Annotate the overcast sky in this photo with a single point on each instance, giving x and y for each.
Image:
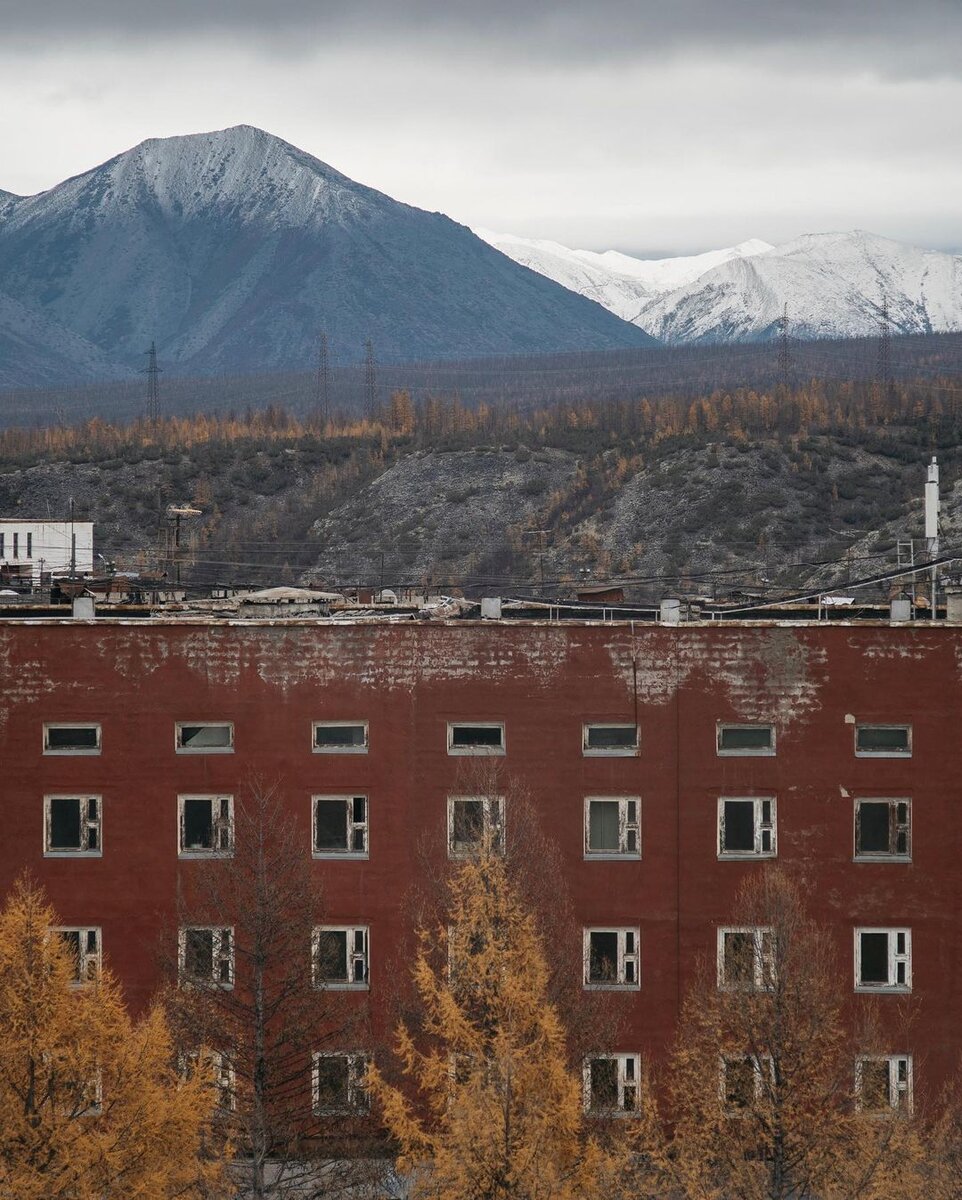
(650, 127)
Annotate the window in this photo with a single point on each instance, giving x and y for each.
(340, 737)
(206, 826)
(612, 827)
(746, 959)
(883, 741)
(83, 946)
(16, 545)
(746, 827)
(883, 829)
(745, 739)
(883, 960)
(338, 1083)
(340, 956)
(475, 823)
(611, 1084)
(29, 545)
(611, 958)
(207, 956)
(616, 741)
(71, 825)
(742, 1082)
(340, 826)
(71, 738)
(220, 1071)
(214, 738)
(481, 737)
(883, 1083)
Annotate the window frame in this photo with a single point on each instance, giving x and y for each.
(759, 828)
(763, 959)
(895, 958)
(179, 748)
(350, 825)
(860, 725)
(347, 985)
(358, 1098)
(896, 1086)
(218, 956)
(362, 749)
(214, 851)
(221, 1068)
(760, 752)
(610, 751)
(878, 856)
(625, 1079)
(477, 751)
(64, 751)
(625, 827)
(625, 959)
(86, 824)
(492, 830)
(86, 958)
(760, 1063)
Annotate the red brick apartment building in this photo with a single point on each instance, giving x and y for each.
(666, 761)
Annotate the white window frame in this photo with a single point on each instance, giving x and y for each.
(223, 1076)
(760, 827)
(353, 957)
(763, 958)
(752, 752)
(477, 751)
(894, 824)
(760, 1064)
(492, 830)
(219, 827)
(181, 749)
(629, 1076)
(900, 1083)
(358, 1100)
(351, 826)
(86, 825)
(896, 959)
(219, 956)
(362, 749)
(626, 959)
(61, 751)
(625, 828)
(860, 725)
(89, 961)
(610, 751)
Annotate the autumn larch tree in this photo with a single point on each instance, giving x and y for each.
(91, 1104)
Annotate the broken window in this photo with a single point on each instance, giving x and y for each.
(206, 825)
(217, 737)
(883, 1084)
(340, 956)
(207, 956)
(475, 823)
(72, 825)
(614, 740)
(219, 1069)
(746, 959)
(338, 1083)
(83, 946)
(340, 825)
(480, 737)
(612, 827)
(883, 960)
(340, 737)
(71, 738)
(611, 1084)
(746, 827)
(883, 829)
(742, 1081)
(611, 958)
(883, 741)
(745, 739)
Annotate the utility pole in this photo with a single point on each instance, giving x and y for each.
(784, 351)
(322, 393)
(540, 534)
(152, 372)
(370, 378)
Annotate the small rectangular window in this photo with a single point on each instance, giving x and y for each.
(207, 956)
(745, 740)
(215, 737)
(70, 737)
(883, 741)
(478, 737)
(883, 829)
(340, 826)
(340, 956)
(475, 823)
(29, 545)
(612, 827)
(206, 825)
(340, 737)
(746, 827)
(612, 959)
(883, 960)
(742, 1080)
(338, 1083)
(83, 946)
(611, 1084)
(613, 741)
(16, 545)
(72, 825)
(746, 959)
(883, 1084)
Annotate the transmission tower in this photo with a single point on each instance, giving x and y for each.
(784, 351)
(152, 372)
(322, 396)
(370, 378)
(883, 371)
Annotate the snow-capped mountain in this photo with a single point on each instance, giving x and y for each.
(233, 249)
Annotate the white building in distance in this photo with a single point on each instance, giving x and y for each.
(29, 547)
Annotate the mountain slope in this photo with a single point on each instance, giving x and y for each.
(233, 249)
(36, 349)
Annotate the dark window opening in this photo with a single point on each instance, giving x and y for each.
(340, 737)
(332, 1075)
(745, 739)
(883, 739)
(874, 958)
(199, 954)
(604, 1084)
(72, 737)
(739, 834)
(204, 737)
(330, 826)
(198, 825)
(65, 824)
(482, 736)
(611, 737)
(740, 1082)
(603, 957)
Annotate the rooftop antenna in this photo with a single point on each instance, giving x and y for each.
(932, 522)
(370, 377)
(152, 372)
(784, 351)
(322, 393)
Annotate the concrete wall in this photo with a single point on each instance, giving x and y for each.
(49, 541)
